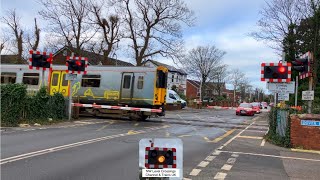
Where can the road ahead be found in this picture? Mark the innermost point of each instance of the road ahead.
(108, 149)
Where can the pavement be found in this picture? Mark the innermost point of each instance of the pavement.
(217, 145)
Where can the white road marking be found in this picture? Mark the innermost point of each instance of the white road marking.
(250, 137)
(67, 146)
(179, 116)
(263, 142)
(220, 176)
(210, 158)
(186, 179)
(203, 164)
(230, 140)
(216, 152)
(29, 129)
(231, 160)
(195, 172)
(274, 156)
(226, 167)
(235, 155)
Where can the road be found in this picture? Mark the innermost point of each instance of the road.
(217, 145)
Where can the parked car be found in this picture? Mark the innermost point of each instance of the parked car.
(256, 107)
(245, 109)
(264, 105)
(172, 97)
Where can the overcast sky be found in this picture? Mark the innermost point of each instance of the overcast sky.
(224, 23)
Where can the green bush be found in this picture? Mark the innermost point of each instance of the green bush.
(19, 107)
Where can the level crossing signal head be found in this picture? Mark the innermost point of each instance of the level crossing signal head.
(276, 72)
(39, 60)
(160, 158)
(76, 64)
(301, 64)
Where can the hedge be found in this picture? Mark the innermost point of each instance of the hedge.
(19, 107)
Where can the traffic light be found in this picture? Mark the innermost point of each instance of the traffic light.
(158, 158)
(77, 64)
(301, 65)
(276, 72)
(39, 60)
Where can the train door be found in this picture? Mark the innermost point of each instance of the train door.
(127, 84)
(58, 83)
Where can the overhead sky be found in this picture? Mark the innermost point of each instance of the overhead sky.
(225, 24)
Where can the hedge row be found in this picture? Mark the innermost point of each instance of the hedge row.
(19, 107)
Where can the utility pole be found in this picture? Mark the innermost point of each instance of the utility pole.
(296, 92)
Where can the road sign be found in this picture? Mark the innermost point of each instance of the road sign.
(281, 87)
(71, 77)
(161, 157)
(307, 95)
(283, 97)
(310, 123)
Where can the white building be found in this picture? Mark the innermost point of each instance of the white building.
(176, 77)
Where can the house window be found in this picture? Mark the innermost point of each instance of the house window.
(177, 78)
(126, 82)
(172, 78)
(30, 78)
(140, 82)
(8, 78)
(91, 81)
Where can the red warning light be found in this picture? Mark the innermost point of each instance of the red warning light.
(78, 63)
(282, 69)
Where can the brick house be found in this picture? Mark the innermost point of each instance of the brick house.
(93, 58)
(176, 77)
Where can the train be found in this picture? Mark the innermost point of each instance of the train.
(138, 87)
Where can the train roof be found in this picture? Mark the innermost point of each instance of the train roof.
(89, 68)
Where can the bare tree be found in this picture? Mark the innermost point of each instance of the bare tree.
(12, 20)
(201, 62)
(109, 27)
(218, 77)
(276, 18)
(35, 38)
(154, 27)
(69, 21)
(236, 78)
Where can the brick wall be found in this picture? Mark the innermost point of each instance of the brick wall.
(307, 137)
(191, 91)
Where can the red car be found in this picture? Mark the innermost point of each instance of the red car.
(256, 107)
(245, 109)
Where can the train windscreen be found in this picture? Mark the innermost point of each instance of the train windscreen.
(161, 79)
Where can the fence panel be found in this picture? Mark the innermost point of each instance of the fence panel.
(282, 122)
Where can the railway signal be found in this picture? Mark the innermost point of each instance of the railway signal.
(302, 65)
(77, 64)
(40, 60)
(158, 158)
(276, 72)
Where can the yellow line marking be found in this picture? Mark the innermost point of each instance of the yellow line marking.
(136, 124)
(221, 137)
(167, 134)
(250, 137)
(186, 135)
(104, 126)
(304, 150)
(132, 132)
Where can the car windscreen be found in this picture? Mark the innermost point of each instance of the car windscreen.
(246, 105)
(255, 104)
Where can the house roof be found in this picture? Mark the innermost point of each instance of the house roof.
(11, 59)
(94, 58)
(194, 83)
(170, 68)
(207, 85)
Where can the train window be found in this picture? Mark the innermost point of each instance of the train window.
(55, 79)
(64, 81)
(30, 78)
(91, 81)
(161, 79)
(140, 82)
(8, 78)
(126, 82)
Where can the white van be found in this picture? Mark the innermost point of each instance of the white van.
(172, 97)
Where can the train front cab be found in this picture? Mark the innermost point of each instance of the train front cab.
(160, 89)
(58, 82)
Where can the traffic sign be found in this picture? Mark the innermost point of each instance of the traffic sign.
(281, 87)
(283, 97)
(161, 157)
(310, 123)
(71, 77)
(308, 95)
